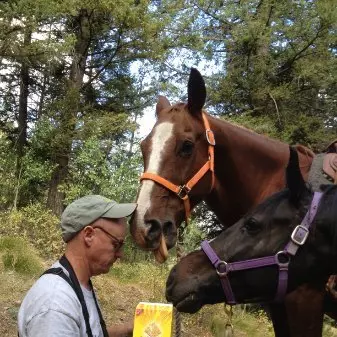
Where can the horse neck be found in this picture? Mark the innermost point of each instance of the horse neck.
(248, 168)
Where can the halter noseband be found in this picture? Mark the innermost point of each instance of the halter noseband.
(298, 238)
(182, 191)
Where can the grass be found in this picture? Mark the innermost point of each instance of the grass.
(19, 267)
(242, 323)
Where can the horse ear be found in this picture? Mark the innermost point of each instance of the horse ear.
(162, 103)
(196, 91)
(295, 181)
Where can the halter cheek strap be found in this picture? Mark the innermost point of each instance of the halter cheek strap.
(182, 191)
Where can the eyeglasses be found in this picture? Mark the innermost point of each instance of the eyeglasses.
(118, 244)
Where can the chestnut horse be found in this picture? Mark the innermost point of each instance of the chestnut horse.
(230, 167)
(271, 250)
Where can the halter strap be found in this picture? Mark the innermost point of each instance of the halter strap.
(182, 191)
(297, 239)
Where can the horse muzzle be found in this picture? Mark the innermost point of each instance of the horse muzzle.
(152, 234)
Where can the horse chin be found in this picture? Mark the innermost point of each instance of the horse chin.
(189, 304)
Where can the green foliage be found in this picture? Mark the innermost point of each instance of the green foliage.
(193, 236)
(148, 275)
(36, 224)
(19, 256)
(101, 168)
(274, 61)
(80, 89)
(124, 177)
(301, 129)
(34, 178)
(329, 327)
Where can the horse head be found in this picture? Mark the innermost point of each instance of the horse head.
(173, 152)
(262, 233)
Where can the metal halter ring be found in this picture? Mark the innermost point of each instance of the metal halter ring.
(222, 273)
(183, 191)
(280, 254)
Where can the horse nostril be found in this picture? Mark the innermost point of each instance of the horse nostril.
(170, 233)
(168, 228)
(153, 229)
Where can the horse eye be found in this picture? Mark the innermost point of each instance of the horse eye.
(252, 226)
(186, 149)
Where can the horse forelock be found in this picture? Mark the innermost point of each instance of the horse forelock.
(162, 133)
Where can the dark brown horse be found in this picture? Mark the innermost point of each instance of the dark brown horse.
(271, 250)
(247, 168)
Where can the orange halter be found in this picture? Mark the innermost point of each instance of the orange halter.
(182, 191)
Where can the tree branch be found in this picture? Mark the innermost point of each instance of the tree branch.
(107, 63)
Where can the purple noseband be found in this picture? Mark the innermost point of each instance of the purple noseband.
(297, 239)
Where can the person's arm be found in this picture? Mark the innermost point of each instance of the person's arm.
(52, 323)
(121, 330)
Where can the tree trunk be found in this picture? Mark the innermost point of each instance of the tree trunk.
(81, 26)
(23, 115)
(23, 106)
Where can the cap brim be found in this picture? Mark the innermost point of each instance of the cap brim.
(119, 211)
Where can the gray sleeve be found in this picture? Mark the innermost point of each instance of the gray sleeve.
(52, 323)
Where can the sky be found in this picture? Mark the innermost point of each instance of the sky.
(148, 119)
(147, 122)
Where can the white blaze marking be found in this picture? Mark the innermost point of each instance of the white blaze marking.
(162, 134)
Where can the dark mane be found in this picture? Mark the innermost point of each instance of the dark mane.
(269, 205)
(327, 212)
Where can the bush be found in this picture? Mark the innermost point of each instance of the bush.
(36, 224)
(19, 256)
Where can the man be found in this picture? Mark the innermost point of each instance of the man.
(62, 301)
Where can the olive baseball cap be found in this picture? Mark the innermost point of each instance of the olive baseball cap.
(84, 211)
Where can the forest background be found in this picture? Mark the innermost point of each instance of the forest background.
(76, 77)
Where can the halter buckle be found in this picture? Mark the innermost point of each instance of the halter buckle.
(210, 137)
(219, 272)
(300, 235)
(183, 192)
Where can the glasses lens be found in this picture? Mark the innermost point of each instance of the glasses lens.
(116, 243)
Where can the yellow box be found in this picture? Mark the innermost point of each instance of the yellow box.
(153, 320)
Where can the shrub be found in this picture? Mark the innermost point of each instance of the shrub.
(38, 225)
(19, 256)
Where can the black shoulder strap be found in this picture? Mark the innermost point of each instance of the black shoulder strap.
(59, 271)
(101, 319)
(74, 283)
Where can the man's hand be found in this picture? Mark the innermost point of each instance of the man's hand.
(121, 330)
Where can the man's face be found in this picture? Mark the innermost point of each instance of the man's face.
(107, 244)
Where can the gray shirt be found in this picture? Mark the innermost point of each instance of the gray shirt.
(52, 309)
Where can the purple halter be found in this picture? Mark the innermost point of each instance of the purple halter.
(298, 238)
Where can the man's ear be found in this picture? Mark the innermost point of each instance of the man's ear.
(88, 234)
